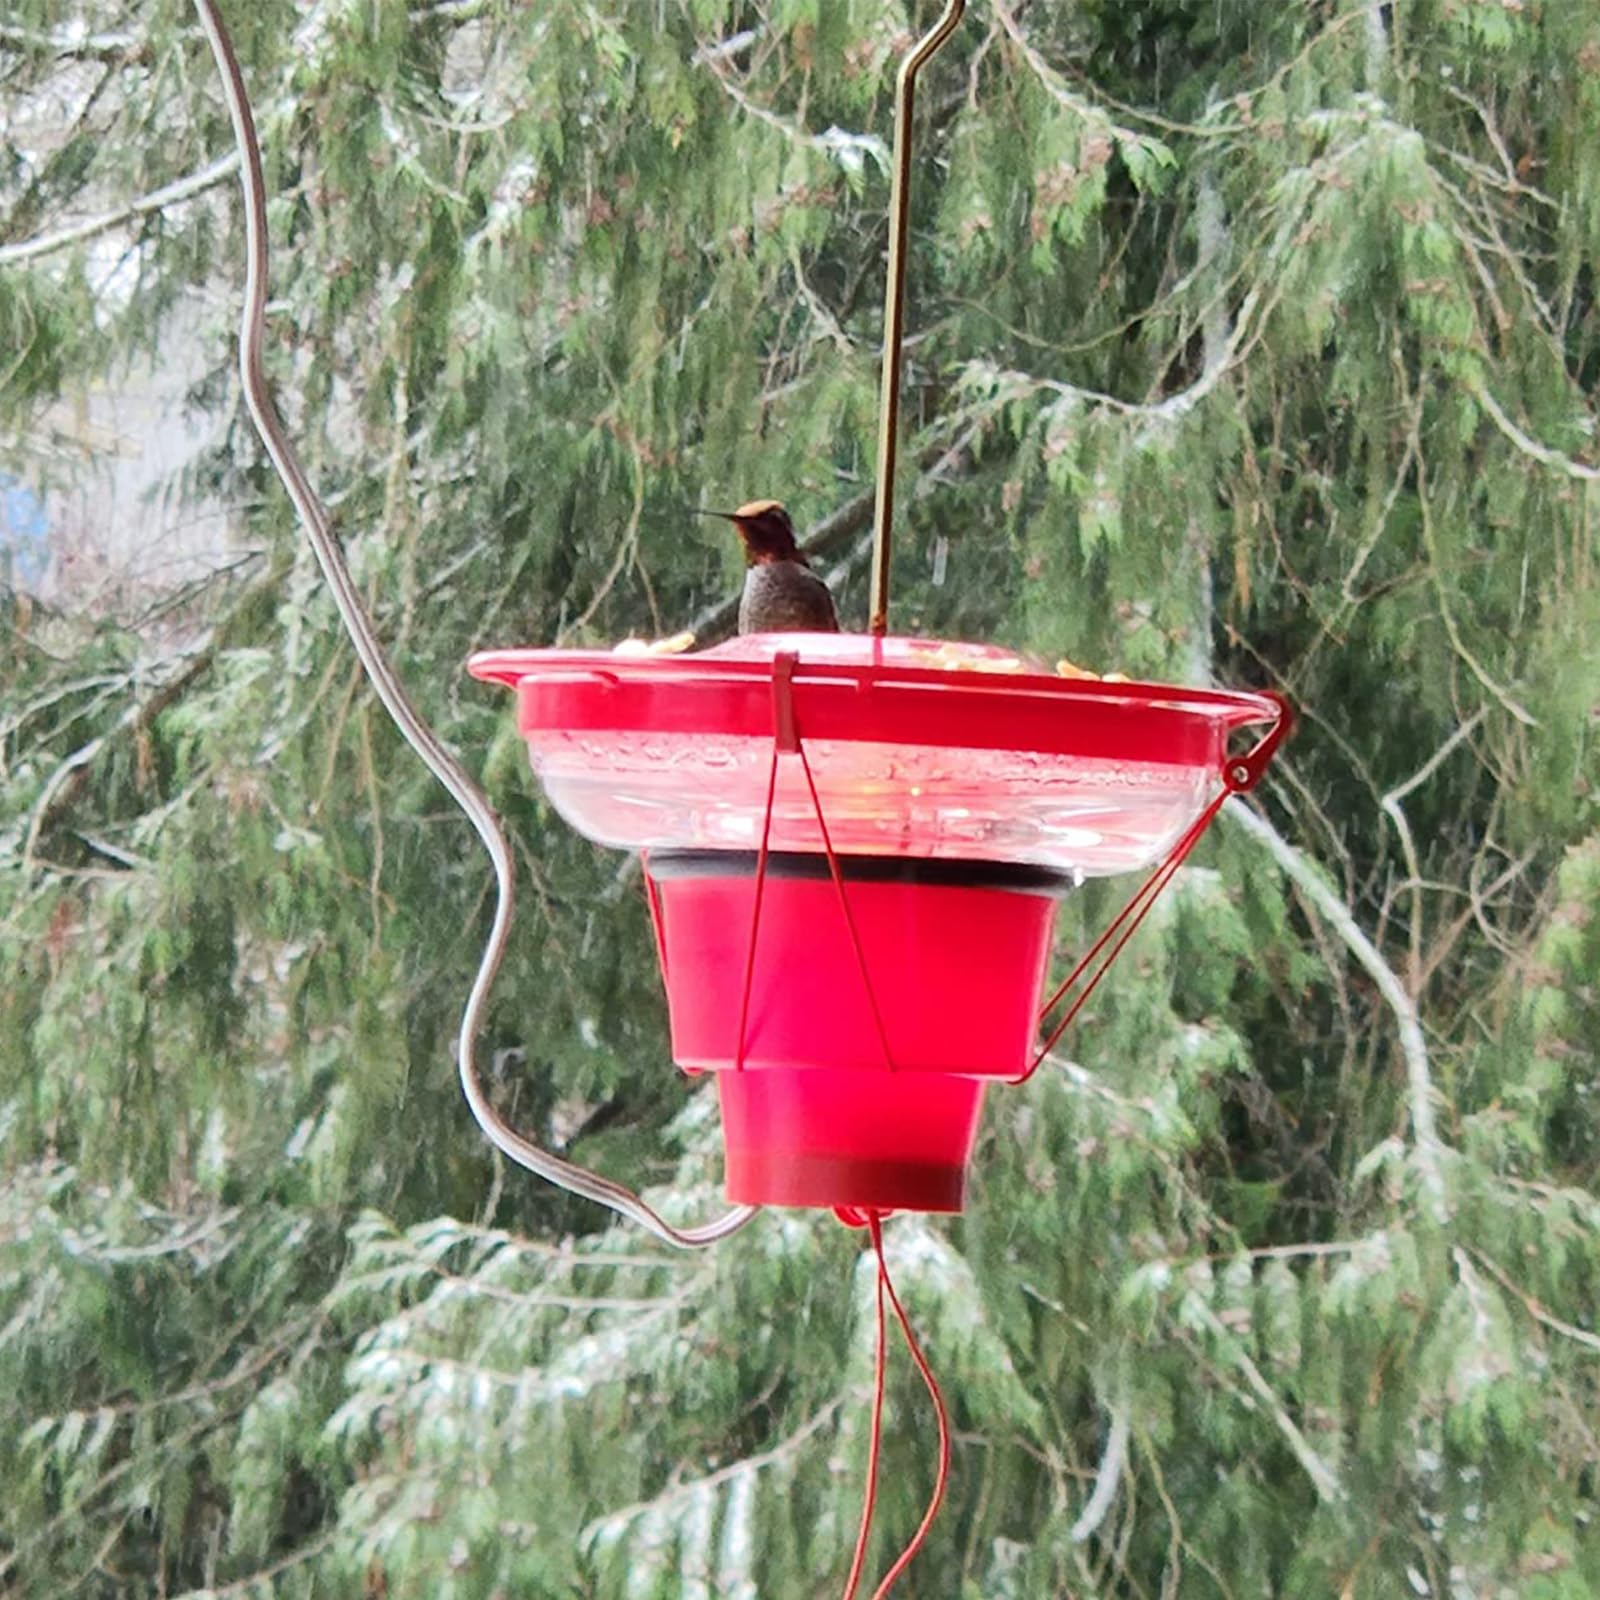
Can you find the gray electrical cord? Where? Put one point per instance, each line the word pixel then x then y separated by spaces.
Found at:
pixel 418 734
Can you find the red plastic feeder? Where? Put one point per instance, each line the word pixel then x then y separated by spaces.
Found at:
pixel 854 848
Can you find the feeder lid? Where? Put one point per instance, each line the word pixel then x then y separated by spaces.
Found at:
pixel 918 747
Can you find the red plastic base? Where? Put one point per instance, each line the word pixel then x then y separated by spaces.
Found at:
pixel 828 1109
pixel 820 1137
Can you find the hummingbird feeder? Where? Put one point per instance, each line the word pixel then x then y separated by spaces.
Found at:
pixel 853 852
pixel 854 845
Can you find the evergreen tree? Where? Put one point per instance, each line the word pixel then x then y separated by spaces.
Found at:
pixel 1248 342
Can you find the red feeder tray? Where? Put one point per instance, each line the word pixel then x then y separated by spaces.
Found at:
pixel 856 938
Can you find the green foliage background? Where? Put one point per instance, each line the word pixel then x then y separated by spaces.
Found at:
pixel 1251 342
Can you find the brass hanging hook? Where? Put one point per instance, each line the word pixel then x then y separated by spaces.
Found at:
pixel 894 314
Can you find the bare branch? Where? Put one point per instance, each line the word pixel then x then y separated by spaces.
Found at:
pixel 1381 521
pixel 1105 1479
pixel 728 48
pixel 449 11
pixel 839 143
pixel 1528 445
pixel 829 323
pixel 1436 760
pixel 1508 179
pixel 1447 614
pixel 1474 912
pixel 1534 1309
pixel 1390 805
pixel 627 546
pixel 1377 42
pixel 171 194
pixel 1322 1476
pixel 1055 86
pixel 1430 1149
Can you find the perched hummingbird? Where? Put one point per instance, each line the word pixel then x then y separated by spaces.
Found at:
pixel 781 592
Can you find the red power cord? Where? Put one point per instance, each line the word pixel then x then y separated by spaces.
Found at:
pixel 886 1286
pixel 860 1557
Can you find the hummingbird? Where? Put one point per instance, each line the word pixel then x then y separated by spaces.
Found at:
pixel 781 592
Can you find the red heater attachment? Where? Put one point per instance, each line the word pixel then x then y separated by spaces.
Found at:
pixel 854 847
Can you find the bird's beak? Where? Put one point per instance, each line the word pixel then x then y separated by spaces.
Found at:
pixel 704 511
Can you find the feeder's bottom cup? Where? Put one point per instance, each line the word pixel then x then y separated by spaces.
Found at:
pixel 869 1035
pixel 818 1136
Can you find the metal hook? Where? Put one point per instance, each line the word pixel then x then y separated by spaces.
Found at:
pixel 894 307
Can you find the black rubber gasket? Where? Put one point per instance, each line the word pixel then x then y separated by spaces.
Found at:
pixel 1020 877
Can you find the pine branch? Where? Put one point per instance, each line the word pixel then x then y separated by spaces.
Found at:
pixel 1390 805
pixel 1242 101
pixel 1526 443
pixel 835 142
pixel 676 1493
pixel 61 790
pixel 1221 360
pixel 43 244
pixel 264 1581
pixel 1431 1151
pixel 1322 1476
pixel 110 49
pixel 64 785
pixel 86 1501
pixel 180 1243
pixel 112 683
pixel 1532 1306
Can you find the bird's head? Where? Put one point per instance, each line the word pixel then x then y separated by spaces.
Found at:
pixel 765 527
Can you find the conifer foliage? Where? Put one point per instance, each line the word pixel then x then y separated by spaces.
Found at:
pixel 1249 343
